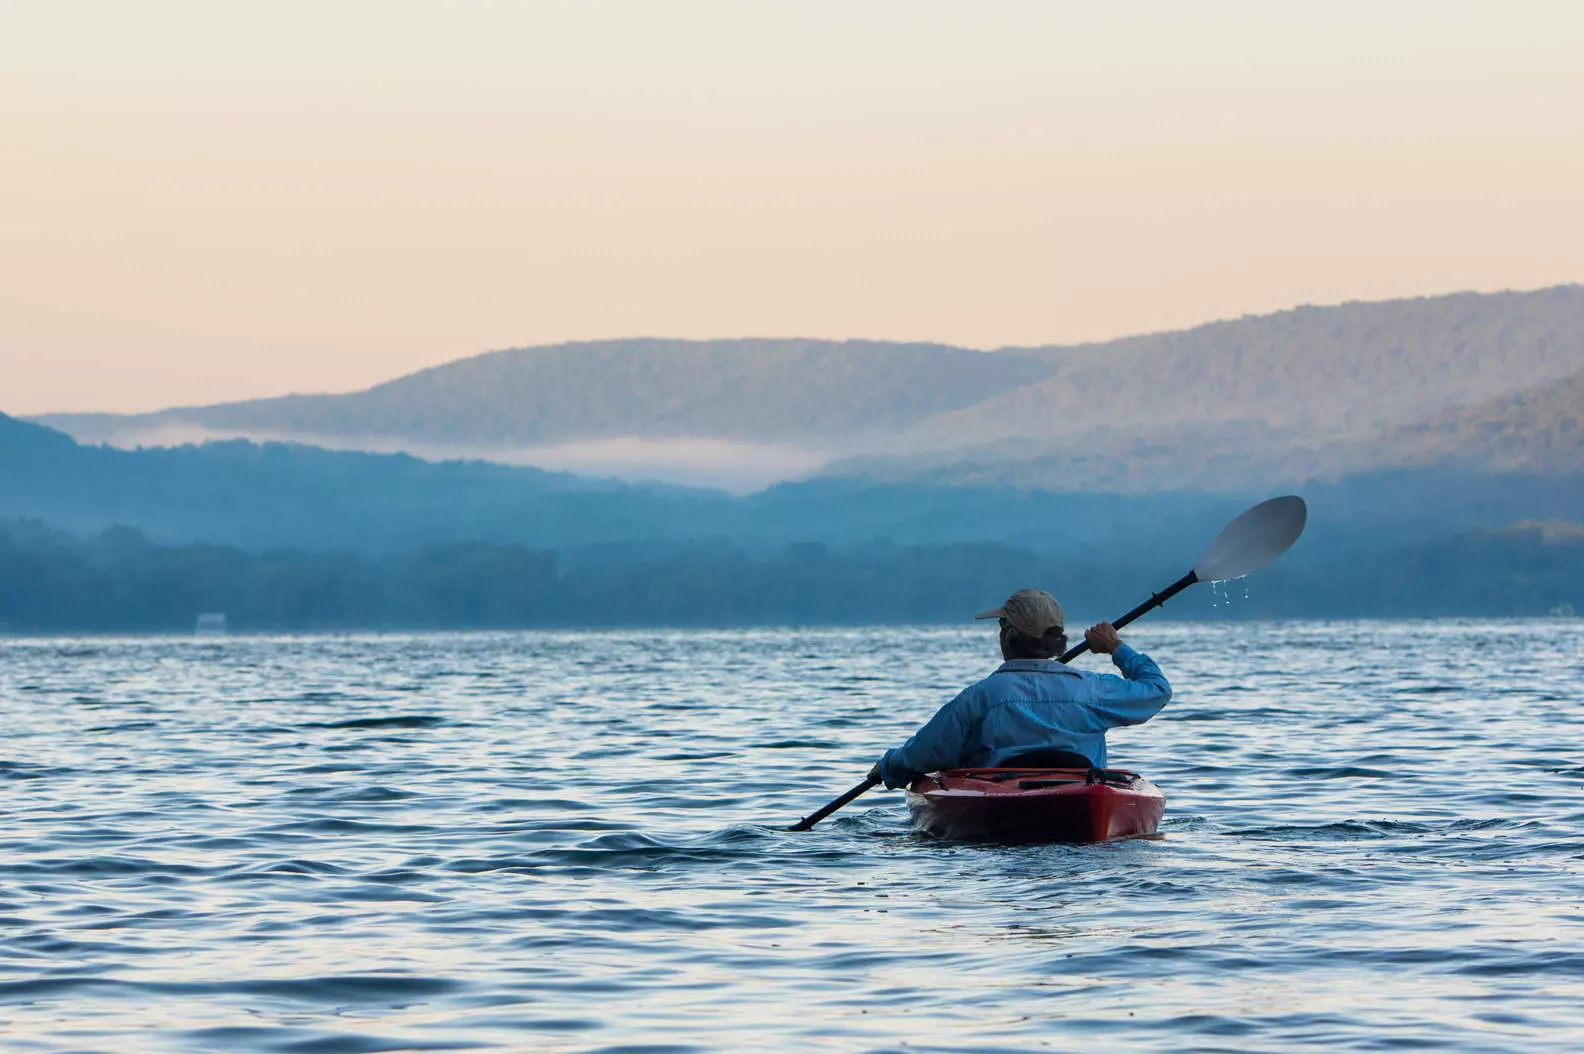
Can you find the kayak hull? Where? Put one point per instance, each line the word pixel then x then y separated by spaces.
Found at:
pixel 1036 805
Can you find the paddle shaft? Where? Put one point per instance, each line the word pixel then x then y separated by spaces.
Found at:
pixel 815 817
pixel 1155 601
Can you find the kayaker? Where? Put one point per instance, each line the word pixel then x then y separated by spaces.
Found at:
pixel 1034 710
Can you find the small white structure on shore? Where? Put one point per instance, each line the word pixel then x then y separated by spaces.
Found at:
pixel 211 625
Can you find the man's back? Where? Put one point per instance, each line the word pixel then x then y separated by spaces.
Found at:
pixel 1031 705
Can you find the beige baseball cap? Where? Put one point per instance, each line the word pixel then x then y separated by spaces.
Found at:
pixel 1031 612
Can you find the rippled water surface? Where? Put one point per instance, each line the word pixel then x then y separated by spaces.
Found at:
pixel 568 842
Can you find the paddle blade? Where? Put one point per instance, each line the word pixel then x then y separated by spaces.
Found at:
pixel 1254 539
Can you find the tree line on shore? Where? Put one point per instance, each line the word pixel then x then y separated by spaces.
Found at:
pixel 122 581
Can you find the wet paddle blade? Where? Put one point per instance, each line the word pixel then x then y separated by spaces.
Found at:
pixel 1254 539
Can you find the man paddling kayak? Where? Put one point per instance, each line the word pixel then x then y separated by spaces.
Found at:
pixel 1034 710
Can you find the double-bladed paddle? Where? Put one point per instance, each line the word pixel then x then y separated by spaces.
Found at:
pixel 1258 536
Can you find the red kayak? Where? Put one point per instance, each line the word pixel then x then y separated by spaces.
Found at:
pixel 1036 805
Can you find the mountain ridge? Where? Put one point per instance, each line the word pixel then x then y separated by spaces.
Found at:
pixel 1273 397
pixel 632 387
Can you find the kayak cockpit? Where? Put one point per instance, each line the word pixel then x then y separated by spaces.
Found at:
pixel 1036 804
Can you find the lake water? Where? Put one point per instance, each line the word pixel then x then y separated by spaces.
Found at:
pixel 568 842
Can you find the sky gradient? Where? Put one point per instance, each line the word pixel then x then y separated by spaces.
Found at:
pixel 206 201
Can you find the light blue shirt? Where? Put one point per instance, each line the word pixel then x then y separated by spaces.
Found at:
pixel 1031 704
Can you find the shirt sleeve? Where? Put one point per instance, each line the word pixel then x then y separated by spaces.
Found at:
pixel 1136 696
pixel 940 744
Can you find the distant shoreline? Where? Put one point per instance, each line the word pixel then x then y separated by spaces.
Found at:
pixel 1157 619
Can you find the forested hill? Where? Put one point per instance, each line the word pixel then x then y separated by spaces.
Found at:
pixel 1350 368
pixel 1540 429
pixel 1262 400
pixel 266 495
pixel 766 391
pixel 1467 381
pixel 260 495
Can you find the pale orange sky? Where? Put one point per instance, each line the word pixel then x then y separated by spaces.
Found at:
pixel 204 201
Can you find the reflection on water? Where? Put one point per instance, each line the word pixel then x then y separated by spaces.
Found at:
pixel 568 842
